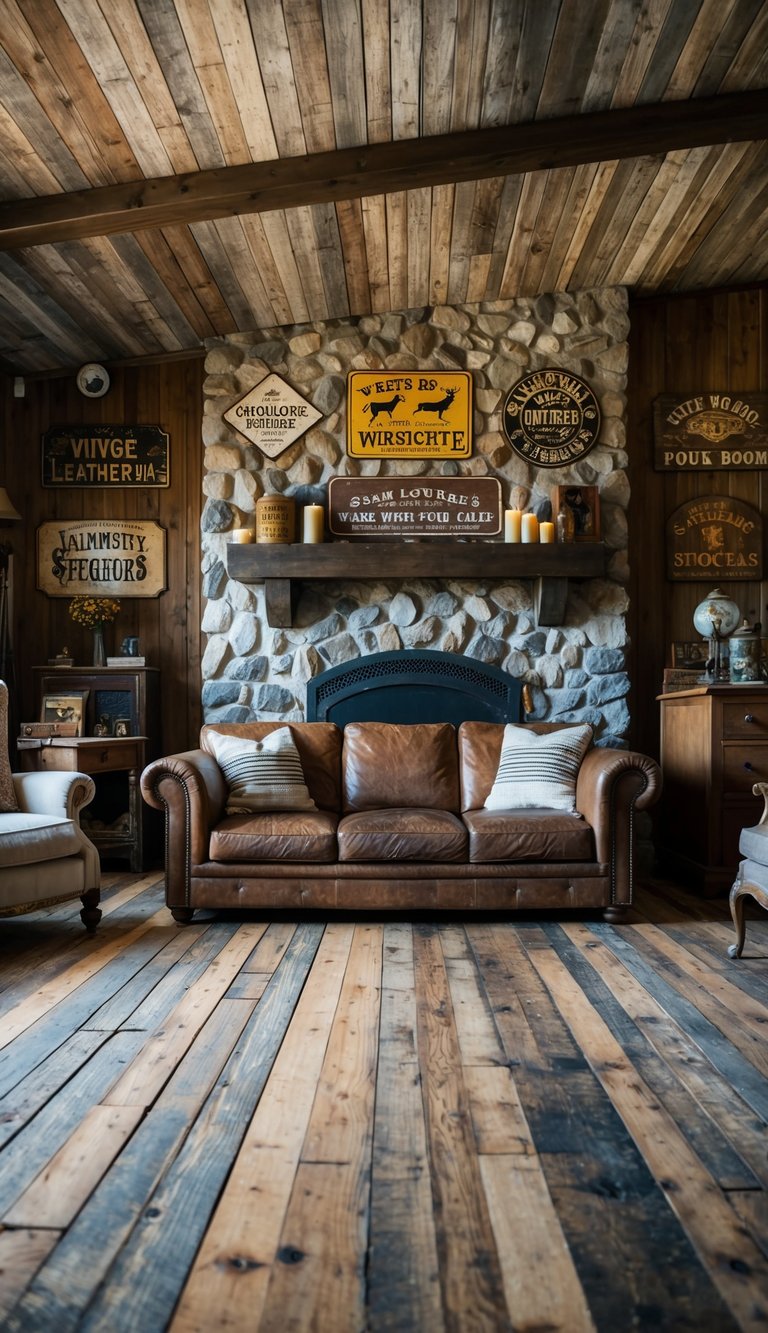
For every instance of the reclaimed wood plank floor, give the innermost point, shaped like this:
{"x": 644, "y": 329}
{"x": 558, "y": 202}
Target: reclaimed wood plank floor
{"x": 383, "y": 1125}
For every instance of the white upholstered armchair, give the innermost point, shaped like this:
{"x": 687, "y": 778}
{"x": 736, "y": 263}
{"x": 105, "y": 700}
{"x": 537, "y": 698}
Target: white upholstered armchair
{"x": 45, "y": 857}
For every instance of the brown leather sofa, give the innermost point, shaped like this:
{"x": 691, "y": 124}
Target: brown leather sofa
{"x": 399, "y": 825}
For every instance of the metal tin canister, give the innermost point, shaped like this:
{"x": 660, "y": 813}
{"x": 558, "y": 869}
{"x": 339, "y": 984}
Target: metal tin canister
{"x": 275, "y": 519}
{"x": 745, "y": 654}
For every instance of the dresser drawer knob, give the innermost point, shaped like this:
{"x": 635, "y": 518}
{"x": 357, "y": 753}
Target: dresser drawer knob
{"x": 750, "y": 717}
{"x": 748, "y": 766}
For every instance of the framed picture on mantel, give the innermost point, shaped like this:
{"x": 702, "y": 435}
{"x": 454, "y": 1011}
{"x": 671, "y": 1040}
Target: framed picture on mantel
{"x": 584, "y": 504}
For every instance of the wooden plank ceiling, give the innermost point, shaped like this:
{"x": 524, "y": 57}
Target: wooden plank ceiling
{"x": 172, "y": 170}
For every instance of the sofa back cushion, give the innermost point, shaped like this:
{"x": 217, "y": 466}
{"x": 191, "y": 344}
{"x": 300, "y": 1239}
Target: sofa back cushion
{"x": 319, "y": 747}
{"x": 388, "y": 764}
{"x": 480, "y": 745}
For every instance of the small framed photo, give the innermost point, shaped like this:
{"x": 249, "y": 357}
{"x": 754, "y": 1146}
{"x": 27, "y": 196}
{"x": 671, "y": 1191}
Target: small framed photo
{"x": 65, "y": 707}
{"x": 690, "y": 654}
{"x": 584, "y": 504}
{"x": 122, "y": 726}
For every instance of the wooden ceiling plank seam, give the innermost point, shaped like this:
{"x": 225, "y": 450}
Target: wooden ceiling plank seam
{"x": 405, "y": 25}
{"x": 380, "y": 168}
{"x": 12, "y": 182}
{"x": 677, "y": 229}
{"x": 330, "y": 259}
{"x": 734, "y": 228}
{"x": 45, "y": 313}
{"x": 141, "y": 60}
{"x": 504, "y": 35}
{"x": 643, "y": 232}
{"x": 301, "y": 230}
{"x": 485, "y": 214}
{"x": 734, "y": 259}
{"x": 438, "y": 54}
{"x": 166, "y": 36}
{"x": 419, "y": 234}
{"x": 279, "y": 240}
{"x": 704, "y": 35}
{"x": 213, "y": 251}
{"x": 575, "y": 43}
{"x": 730, "y": 42}
{"x": 203, "y": 44}
{"x": 601, "y": 183}
{"x": 168, "y": 300}
{"x": 553, "y": 203}
{"x": 747, "y": 271}
{"x": 253, "y": 230}
{"x": 440, "y": 243}
{"x": 649, "y": 23}
{"x": 469, "y": 66}
{"x": 531, "y": 195}
{"x": 508, "y": 204}
{"x": 349, "y": 215}
{"x": 158, "y": 329}
{"x": 376, "y": 70}
{"x": 28, "y": 166}
{"x": 187, "y": 253}
{"x": 749, "y": 67}
{"x": 342, "y": 26}
{"x": 85, "y": 100}
{"x": 279, "y": 76}
{"x": 477, "y": 283}
{"x": 67, "y": 284}
{"x": 94, "y": 37}
{"x": 376, "y": 252}
{"x": 537, "y": 32}
{"x": 240, "y": 257}
{"x": 167, "y": 264}
{"x": 112, "y": 287}
{"x": 461, "y": 224}
{"x": 237, "y": 44}
{"x": 671, "y": 41}
{"x": 581, "y": 179}
{"x": 303, "y": 21}
{"x": 610, "y": 56}
{"x": 629, "y": 188}
{"x": 20, "y": 106}
{"x": 397, "y": 248}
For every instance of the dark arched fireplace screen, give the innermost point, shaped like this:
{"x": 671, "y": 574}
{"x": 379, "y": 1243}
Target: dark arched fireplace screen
{"x": 414, "y": 686}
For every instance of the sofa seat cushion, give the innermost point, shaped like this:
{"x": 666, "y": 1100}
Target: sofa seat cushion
{"x": 528, "y": 835}
{"x": 408, "y": 834}
{"x": 753, "y": 843}
{"x": 25, "y": 839}
{"x": 307, "y": 835}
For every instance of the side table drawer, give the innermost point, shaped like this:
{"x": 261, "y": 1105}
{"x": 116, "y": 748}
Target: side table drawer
{"x": 746, "y": 721}
{"x": 743, "y": 765}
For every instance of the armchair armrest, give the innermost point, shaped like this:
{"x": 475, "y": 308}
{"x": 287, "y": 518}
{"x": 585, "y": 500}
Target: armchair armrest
{"x": 761, "y": 789}
{"x": 190, "y": 789}
{"x": 611, "y": 786}
{"x": 53, "y": 793}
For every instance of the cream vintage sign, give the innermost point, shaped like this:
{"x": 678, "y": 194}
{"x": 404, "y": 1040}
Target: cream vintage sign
{"x": 272, "y": 415}
{"x": 105, "y": 456}
{"x": 710, "y": 432}
{"x": 409, "y": 415}
{"x": 716, "y": 537}
{"x": 106, "y": 557}
{"x": 406, "y": 507}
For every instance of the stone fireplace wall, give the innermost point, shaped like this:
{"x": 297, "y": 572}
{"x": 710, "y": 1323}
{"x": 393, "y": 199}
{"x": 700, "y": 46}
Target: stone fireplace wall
{"x": 577, "y": 670}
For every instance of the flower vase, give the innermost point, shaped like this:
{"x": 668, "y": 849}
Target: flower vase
{"x": 99, "y": 650}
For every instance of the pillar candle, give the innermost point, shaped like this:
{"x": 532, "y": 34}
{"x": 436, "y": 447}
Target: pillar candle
{"x": 241, "y": 535}
{"x": 313, "y": 523}
{"x": 512, "y": 521}
{"x": 546, "y": 532}
{"x": 530, "y": 528}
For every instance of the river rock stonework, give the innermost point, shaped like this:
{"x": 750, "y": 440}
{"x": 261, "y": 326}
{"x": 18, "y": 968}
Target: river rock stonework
{"x": 577, "y": 670}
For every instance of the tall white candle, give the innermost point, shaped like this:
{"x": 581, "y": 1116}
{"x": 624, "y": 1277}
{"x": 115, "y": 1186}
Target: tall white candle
{"x": 512, "y": 518}
{"x": 313, "y": 523}
{"x": 530, "y": 528}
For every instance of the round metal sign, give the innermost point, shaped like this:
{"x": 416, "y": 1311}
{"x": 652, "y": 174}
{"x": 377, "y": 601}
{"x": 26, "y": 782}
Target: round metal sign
{"x": 551, "y": 418}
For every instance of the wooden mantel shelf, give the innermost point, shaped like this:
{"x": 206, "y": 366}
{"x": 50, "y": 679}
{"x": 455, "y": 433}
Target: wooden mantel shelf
{"x": 550, "y": 566}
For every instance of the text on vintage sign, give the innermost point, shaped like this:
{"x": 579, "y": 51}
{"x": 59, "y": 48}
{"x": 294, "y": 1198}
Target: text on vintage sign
{"x": 108, "y": 557}
{"x": 112, "y": 456}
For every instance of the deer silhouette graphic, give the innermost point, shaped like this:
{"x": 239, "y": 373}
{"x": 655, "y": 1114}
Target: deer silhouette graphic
{"x": 439, "y": 405}
{"x": 387, "y": 405}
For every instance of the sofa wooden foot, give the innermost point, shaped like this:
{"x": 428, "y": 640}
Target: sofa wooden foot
{"x": 90, "y": 913}
{"x": 182, "y": 915}
{"x": 615, "y": 914}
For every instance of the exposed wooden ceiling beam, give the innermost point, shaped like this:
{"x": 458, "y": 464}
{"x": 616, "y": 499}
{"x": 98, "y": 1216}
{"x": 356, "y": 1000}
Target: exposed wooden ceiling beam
{"x": 384, "y": 167}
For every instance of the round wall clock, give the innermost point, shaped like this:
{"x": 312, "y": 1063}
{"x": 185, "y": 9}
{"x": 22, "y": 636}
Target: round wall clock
{"x": 93, "y": 380}
{"x": 551, "y": 418}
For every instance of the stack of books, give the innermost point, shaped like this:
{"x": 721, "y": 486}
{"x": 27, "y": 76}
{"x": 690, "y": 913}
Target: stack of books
{"x": 126, "y": 661}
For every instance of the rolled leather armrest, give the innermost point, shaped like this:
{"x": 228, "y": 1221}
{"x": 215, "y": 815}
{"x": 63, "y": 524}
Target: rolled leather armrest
{"x": 191, "y": 790}
{"x": 53, "y": 793}
{"x": 611, "y": 786}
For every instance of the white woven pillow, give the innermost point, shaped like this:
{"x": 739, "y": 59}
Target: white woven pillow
{"x": 261, "y": 775}
{"x": 539, "y": 769}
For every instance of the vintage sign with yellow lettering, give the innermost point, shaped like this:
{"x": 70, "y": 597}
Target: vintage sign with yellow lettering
{"x": 715, "y": 537}
{"x": 109, "y": 456}
{"x": 409, "y": 414}
{"x": 104, "y": 557}
{"x": 551, "y": 418}
{"x": 706, "y": 432}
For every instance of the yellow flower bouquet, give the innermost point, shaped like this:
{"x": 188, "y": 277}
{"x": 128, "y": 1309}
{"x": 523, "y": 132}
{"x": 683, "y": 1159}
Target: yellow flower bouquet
{"x": 94, "y": 612}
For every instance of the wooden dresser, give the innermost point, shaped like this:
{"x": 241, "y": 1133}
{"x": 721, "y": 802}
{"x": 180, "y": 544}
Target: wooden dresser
{"x": 714, "y": 746}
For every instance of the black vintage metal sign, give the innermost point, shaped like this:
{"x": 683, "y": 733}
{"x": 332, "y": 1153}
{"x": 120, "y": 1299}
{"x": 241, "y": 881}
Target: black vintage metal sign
{"x": 707, "y": 432}
{"x": 551, "y": 418}
{"x": 105, "y": 456}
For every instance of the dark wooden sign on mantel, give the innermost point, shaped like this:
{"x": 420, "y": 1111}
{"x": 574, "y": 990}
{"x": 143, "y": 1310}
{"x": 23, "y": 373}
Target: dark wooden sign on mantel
{"x": 414, "y": 507}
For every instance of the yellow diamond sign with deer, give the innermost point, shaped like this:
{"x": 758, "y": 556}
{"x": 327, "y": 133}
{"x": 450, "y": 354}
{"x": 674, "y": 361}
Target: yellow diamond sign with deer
{"x": 409, "y": 414}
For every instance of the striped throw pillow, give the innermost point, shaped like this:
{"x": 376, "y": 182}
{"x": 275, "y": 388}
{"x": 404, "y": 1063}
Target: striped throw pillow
{"x": 539, "y": 770}
{"x": 261, "y": 775}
